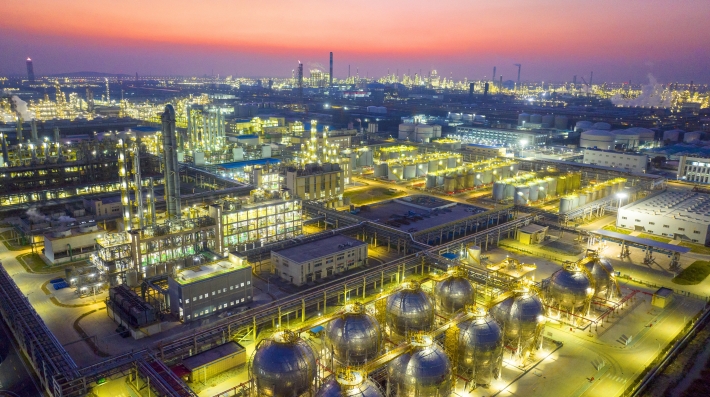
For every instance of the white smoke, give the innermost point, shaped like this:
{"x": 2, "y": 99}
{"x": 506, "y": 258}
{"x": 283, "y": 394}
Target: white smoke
{"x": 652, "y": 95}
{"x": 36, "y": 216}
{"x": 22, "y": 108}
{"x": 66, "y": 219}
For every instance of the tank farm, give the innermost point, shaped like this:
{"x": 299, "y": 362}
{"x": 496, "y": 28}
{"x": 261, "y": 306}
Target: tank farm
{"x": 436, "y": 329}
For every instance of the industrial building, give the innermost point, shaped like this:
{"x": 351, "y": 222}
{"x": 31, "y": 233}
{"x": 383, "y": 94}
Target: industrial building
{"x": 676, "y": 214}
{"x": 212, "y": 362}
{"x": 318, "y": 259}
{"x": 495, "y": 136}
{"x": 418, "y": 132}
{"x": 202, "y": 290}
{"x": 628, "y": 161}
{"x": 694, "y": 169}
{"x": 630, "y": 139}
{"x": 69, "y": 244}
{"x": 323, "y": 182}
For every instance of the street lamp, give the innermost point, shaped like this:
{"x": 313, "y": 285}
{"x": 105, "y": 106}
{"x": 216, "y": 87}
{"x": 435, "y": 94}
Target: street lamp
{"x": 621, "y": 196}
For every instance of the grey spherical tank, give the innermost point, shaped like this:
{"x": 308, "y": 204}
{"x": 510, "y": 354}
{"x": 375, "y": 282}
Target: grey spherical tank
{"x": 409, "y": 310}
{"x": 349, "y": 384}
{"x": 603, "y": 276}
{"x": 481, "y": 348}
{"x": 522, "y": 316}
{"x": 570, "y": 290}
{"x": 424, "y": 371}
{"x": 354, "y": 337}
{"x": 454, "y": 292}
{"x": 283, "y": 366}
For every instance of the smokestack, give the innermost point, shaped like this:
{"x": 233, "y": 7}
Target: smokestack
{"x": 300, "y": 83}
{"x": 33, "y": 126}
{"x": 485, "y": 90}
{"x": 494, "y": 74}
{"x": 331, "y": 68}
{"x": 5, "y": 155}
{"x": 500, "y": 85}
{"x": 171, "y": 170}
{"x": 30, "y": 71}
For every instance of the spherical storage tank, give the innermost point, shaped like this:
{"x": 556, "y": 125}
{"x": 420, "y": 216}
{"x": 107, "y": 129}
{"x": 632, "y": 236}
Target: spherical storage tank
{"x": 580, "y": 126}
{"x": 423, "y": 371}
{"x": 596, "y": 138}
{"x": 409, "y": 309}
{"x": 523, "y": 118}
{"x": 603, "y": 277}
{"x": 453, "y": 293}
{"x": 481, "y": 348}
{"x": 522, "y": 318}
{"x": 570, "y": 290}
{"x": 350, "y": 384}
{"x": 354, "y": 337}
{"x": 283, "y": 365}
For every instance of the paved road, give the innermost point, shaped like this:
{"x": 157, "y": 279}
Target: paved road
{"x": 16, "y": 378}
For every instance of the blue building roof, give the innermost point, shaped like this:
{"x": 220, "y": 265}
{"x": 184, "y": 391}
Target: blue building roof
{"x": 145, "y": 128}
{"x": 242, "y": 164}
{"x": 247, "y": 136}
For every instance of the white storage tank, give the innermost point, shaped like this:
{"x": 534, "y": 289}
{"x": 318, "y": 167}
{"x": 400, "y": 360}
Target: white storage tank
{"x": 423, "y": 133}
{"x": 509, "y": 191}
{"x": 601, "y": 126}
{"x": 430, "y": 181}
{"x": 522, "y": 194}
{"x": 582, "y": 199}
{"x": 582, "y": 126}
{"x": 565, "y": 204}
{"x": 395, "y": 172}
{"x": 433, "y": 166}
{"x": 561, "y": 122}
{"x": 645, "y": 135}
{"x": 468, "y": 117}
{"x": 628, "y": 138}
{"x": 534, "y": 191}
{"x": 499, "y": 191}
{"x": 437, "y": 131}
{"x": 487, "y": 176}
{"x": 410, "y": 171}
{"x": 380, "y": 170}
{"x": 422, "y": 169}
{"x": 364, "y": 157}
{"x": 451, "y": 162}
{"x": 406, "y": 131}
{"x": 596, "y": 138}
{"x": 523, "y": 118}
{"x": 551, "y": 186}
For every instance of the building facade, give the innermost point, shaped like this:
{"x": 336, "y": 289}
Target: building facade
{"x": 200, "y": 291}
{"x": 314, "y": 182}
{"x": 633, "y": 162}
{"x": 318, "y": 259}
{"x": 499, "y": 136}
{"x": 694, "y": 169}
{"x": 676, "y": 214}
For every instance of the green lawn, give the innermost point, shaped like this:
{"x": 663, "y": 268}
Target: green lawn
{"x": 615, "y": 229}
{"x": 693, "y": 274}
{"x": 697, "y": 248}
{"x": 33, "y": 263}
{"x": 371, "y": 195}
{"x": 655, "y": 238}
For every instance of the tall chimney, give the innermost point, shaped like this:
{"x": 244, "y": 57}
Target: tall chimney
{"x": 171, "y": 171}
{"x": 331, "y": 68}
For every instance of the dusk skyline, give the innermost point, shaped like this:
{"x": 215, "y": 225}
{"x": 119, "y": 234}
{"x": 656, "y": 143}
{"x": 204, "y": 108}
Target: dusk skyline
{"x": 553, "y": 39}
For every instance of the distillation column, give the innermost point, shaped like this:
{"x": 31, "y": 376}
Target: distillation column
{"x": 171, "y": 170}
{"x": 123, "y": 180}
{"x": 137, "y": 186}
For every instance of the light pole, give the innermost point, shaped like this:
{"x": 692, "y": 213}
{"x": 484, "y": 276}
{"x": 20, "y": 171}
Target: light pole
{"x": 621, "y": 196}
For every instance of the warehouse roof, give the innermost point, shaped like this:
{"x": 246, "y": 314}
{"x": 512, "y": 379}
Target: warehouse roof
{"x": 209, "y": 356}
{"x": 642, "y": 241}
{"x": 319, "y": 248}
{"x": 681, "y": 205}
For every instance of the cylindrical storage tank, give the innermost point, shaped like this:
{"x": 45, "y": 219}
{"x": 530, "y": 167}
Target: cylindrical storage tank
{"x": 690, "y": 137}
{"x": 575, "y": 180}
{"x": 430, "y": 181}
{"x": 395, "y": 172}
{"x": 607, "y": 190}
{"x": 487, "y": 176}
{"x": 481, "y": 348}
{"x": 354, "y": 337}
{"x": 523, "y": 118}
{"x": 534, "y": 191}
{"x": 596, "y": 139}
{"x": 406, "y": 131}
{"x": 460, "y": 180}
{"x": 474, "y": 254}
{"x": 425, "y": 370}
{"x": 522, "y": 194}
{"x": 582, "y": 199}
{"x": 453, "y": 293}
{"x": 349, "y": 384}
{"x": 422, "y": 169}
{"x": 522, "y": 317}
{"x": 515, "y": 167}
{"x": 503, "y": 172}
{"x": 601, "y": 126}
{"x": 509, "y": 191}
{"x": 450, "y": 183}
{"x": 393, "y": 155}
{"x": 132, "y": 278}
{"x": 423, "y": 133}
{"x": 561, "y": 122}
{"x": 544, "y": 186}
{"x": 575, "y": 201}
{"x": 365, "y": 158}
{"x": 468, "y": 117}
{"x": 570, "y": 290}
{"x": 379, "y": 169}
{"x": 672, "y": 135}
{"x": 470, "y": 178}
{"x": 565, "y": 204}
{"x": 551, "y": 186}
{"x": 621, "y": 183}
{"x": 645, "y": 135}
{"x": 536, "y": 118}
{"x": 628, "y": 138}
{"x": 409, "y": 310}
{"x": 477, "y": 178}
{"x": 410, "y": 171}
{"x": 283, "y": 365}
{"x": 437, "y": 131}
{"x": 548, "y": 121}
{"x": 603, "y": 277}
{"x": 561, "y": 185}
{"x": 439, "y": 179}
{"x": 433, "y": 166}
{"x": 451, "y": 162}
{"x": 581, "y": 126}
{"x": 499, "y": 191}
